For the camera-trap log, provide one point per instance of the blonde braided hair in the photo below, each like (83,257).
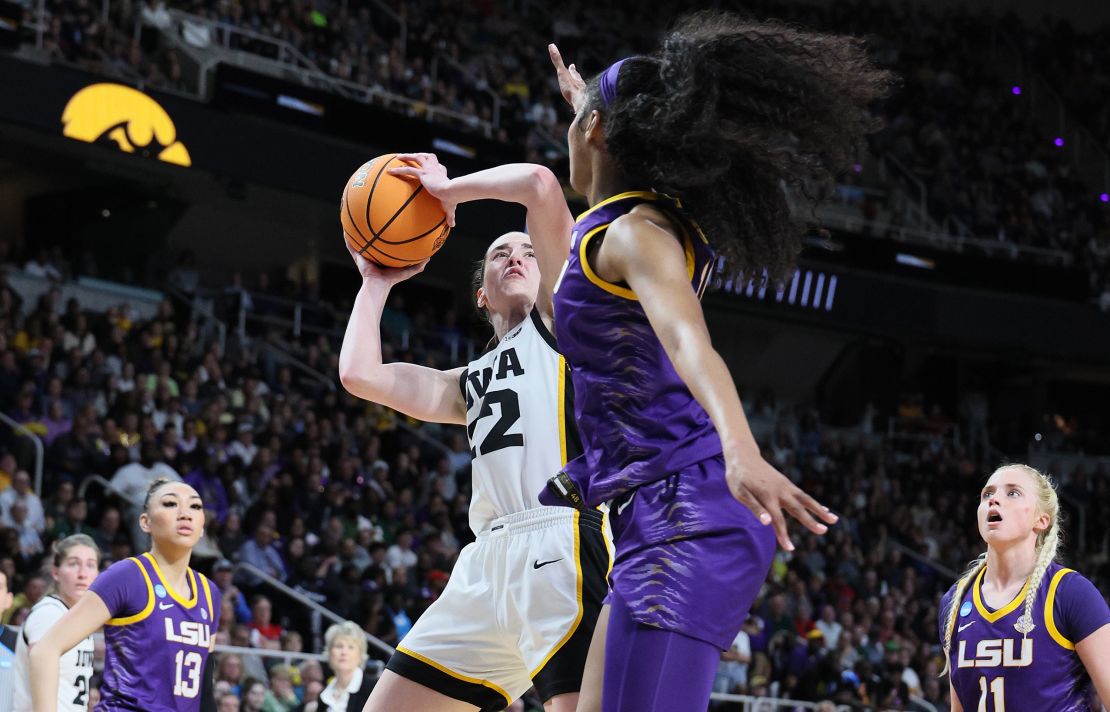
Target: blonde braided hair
(1047,547)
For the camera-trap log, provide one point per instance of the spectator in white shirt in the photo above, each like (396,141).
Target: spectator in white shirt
(20,491)
(401,555)
(733,669)
(829,626)
(133,480)
(30,541)
(243,446)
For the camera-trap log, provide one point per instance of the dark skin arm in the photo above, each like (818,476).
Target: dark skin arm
(641,249)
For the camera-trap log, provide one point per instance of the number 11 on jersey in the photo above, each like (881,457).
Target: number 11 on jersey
(998,692)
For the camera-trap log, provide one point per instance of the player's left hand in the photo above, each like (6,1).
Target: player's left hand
(432,175)
(571,83)
(768,492)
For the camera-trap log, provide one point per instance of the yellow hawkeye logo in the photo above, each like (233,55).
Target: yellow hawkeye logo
(126,117)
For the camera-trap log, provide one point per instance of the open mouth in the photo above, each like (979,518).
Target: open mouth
(513,272)
(994,517)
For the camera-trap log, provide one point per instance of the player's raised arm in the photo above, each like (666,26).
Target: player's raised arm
(643,253)
(85,618)
(423,393)
(533,186)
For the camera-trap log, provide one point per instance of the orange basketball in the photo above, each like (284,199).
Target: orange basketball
(389,220)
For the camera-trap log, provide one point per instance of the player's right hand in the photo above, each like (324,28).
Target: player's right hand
(768,492)
(388,275)
(432,175)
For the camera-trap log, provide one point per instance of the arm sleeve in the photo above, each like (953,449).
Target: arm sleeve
(39,621)
(1079,608)
(122,588)
(207,689)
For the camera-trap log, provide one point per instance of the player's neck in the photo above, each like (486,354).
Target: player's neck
(174,565)
(1009,566)
(503,323)
(605,182)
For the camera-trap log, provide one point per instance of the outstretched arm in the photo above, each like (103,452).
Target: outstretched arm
(643,253)
(78,623)
(533,186)
(423,393)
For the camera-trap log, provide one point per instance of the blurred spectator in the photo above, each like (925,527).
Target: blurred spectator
(349,689)
(264,632)
(229,669)
(20,492)
(262,553)
(133,480)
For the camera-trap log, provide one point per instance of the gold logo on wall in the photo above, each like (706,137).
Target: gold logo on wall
(130,119)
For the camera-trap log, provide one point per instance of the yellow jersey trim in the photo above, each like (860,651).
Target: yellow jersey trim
(141,615)
(623,292)
(190,577)
(1005,610)
(208,597)
(957,604)
(561,395)
(457,676)
(577,594)
(607,537)
(1049,618)
(645,194)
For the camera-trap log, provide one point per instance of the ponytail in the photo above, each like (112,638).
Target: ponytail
(739,120)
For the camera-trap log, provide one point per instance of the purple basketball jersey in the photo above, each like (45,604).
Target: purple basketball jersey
(157,639)
(995,667)
(637,419)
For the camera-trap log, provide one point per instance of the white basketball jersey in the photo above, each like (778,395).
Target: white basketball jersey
(519,419)
(76,665)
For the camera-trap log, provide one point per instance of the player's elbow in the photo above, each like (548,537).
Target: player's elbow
(543,183)
(353,381)
(363,382)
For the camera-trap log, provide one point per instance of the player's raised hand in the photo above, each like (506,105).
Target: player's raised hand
(432,175)
(571,83)
(767,492)
(389,275)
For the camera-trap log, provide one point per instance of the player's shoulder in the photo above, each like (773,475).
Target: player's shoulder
(1066,584)
(50,603)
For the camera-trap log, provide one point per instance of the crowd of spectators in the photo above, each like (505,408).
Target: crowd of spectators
(353,506)
(956,122)
(349,504)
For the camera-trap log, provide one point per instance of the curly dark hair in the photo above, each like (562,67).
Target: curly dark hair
(728,112)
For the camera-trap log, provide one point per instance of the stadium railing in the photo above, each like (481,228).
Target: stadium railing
(230,44)
(747,703)
(495,99)
(36,441)
(376,666)
(93,294)
(318,610)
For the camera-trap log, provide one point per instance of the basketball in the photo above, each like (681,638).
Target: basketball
(389,220)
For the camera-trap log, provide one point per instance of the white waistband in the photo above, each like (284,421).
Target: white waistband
(536,518)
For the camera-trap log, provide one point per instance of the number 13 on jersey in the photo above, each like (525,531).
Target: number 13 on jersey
(187,678)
